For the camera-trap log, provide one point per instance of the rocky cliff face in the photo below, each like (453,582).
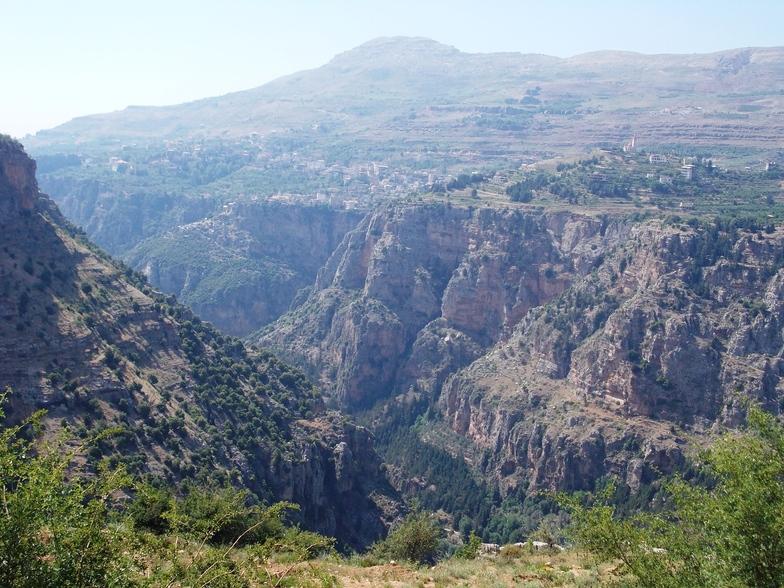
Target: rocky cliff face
(243,268)
(651,346)
(18,179)
(672,346)
(338,481)
(87,339)
(565,347)
(416,292)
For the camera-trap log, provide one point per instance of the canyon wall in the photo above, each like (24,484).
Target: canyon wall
(565,347)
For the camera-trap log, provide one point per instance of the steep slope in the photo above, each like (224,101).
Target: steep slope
(563,347)
(417,291)
(242,268)
(87,339)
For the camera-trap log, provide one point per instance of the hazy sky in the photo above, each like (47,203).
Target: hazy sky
(65,58)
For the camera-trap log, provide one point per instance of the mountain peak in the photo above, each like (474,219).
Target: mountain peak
(395,49)
(403,43)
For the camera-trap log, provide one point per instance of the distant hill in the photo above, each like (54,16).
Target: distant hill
(366,88)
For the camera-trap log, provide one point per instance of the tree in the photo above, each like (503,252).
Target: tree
(470,548)
(415,540)
(55,532)
(729,535)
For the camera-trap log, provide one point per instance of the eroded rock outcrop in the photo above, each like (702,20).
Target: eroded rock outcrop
(18,188)
(564,347)
(417,291)
(658,343)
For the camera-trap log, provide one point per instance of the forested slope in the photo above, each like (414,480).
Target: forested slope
(89,340)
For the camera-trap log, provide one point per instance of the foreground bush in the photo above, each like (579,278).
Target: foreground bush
(59,528)
(54,532)
(415,540)
(728,536)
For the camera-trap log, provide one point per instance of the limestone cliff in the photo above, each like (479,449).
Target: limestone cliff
(416,292)
(17,177)
(658,344)
(243,268)
(564,347)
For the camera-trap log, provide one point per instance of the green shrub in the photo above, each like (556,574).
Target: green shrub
(469,550)
(517,551)
(222,516)
(149,507)
(294,544)
(729,535)
(54,532)
(415,540)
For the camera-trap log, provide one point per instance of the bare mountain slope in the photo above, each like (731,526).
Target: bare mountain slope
(370,87)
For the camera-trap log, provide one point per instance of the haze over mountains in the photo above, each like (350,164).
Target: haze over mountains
(457,249)
(584,100)
(381,121)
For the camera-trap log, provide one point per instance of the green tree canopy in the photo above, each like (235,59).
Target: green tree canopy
(415,540)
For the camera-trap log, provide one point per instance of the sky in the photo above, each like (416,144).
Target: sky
(60,59)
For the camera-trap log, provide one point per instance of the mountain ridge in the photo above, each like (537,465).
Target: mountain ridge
(408,57)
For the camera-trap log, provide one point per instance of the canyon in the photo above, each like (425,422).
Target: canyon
(563,346)
(547,273)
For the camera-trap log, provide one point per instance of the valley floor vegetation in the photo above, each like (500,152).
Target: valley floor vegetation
(63,527)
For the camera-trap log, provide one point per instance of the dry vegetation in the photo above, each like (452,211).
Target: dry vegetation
(510,569)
